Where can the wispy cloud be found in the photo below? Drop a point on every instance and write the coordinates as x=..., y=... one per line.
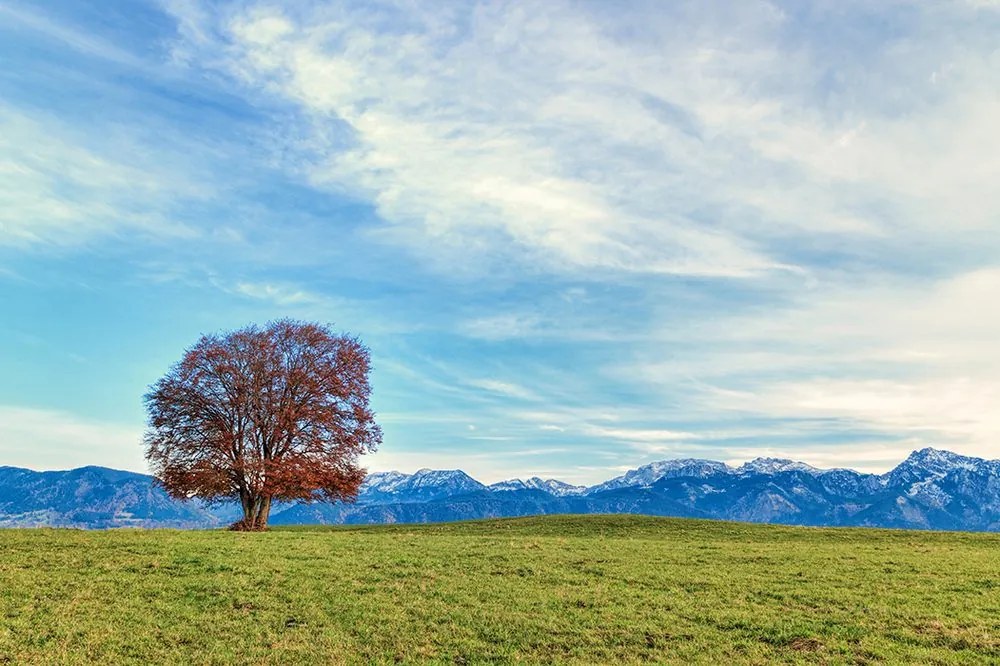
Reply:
x=628, y=232
x=505, y=388
x=467, y=159
x=916, y=359
x=847, y=170
x=484, y=467
x=56, y=191
x=50, y=439
x=639, y=435
x=590, y=150
x=27, y=18
x=276, y=293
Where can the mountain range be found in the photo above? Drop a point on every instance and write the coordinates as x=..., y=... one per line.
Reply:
x=931, y=489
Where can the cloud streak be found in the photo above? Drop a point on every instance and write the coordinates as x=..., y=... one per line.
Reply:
x=56, y=191
x=586, y=150
x=609, y=233
x=459, y=154
x=50, y=439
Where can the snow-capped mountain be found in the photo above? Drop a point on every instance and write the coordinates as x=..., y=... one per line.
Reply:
x=647, y=475
x=928, y=464
x=383, y=482
x=551, y=486
x=775, y=465
x=422, y=486
x=931, y=489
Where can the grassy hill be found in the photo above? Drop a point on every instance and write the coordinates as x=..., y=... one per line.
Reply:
x=586, y=589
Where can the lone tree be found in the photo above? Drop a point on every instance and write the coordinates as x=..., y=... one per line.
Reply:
x=263, y=414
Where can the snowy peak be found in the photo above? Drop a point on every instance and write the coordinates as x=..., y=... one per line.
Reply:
x=930, y=489
x=775, y=466
x=442, y=477
x=383, y=481
x=421, y=486
x=930, y=464
x=921, y=466
x=649, y=474
x=551, y=486
x=941, y=462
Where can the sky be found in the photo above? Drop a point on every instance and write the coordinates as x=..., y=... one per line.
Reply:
x=577, y=237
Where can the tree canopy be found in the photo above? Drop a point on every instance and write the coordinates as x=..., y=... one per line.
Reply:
x=264, y=414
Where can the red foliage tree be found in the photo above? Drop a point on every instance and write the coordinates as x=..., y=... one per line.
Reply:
x=261, y=415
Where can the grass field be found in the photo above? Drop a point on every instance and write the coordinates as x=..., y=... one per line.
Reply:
x=592, y=589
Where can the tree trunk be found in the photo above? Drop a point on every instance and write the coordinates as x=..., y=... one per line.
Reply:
x=246, y=502
x=256, y=511
x=263, y=513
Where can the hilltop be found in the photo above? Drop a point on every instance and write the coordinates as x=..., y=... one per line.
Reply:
x=583, y=589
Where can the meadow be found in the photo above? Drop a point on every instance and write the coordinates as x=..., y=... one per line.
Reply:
x=567, y=589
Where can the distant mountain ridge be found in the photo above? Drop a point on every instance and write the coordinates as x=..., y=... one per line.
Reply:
x=422, y=486
x=94, y=497
x=931, y=489
x=551, y=486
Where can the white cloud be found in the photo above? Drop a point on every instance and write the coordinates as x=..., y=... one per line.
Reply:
x=503, y=326
x=939, y=410
x=55, y=190
x=986, y=4
x=467, y=158
x=875, y=457
x=851, y=174
x=279, y=294
x=504, y=388
x=86, y=44
x=641, y=436
x=49, y=439
x=689, y=140
x=919, y=360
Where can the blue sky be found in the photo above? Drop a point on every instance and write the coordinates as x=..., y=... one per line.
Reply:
x=578, y=237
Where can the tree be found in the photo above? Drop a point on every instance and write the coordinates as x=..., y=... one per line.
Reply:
x=262, y=415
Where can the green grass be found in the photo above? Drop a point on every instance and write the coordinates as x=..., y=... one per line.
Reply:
x=592, y=589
